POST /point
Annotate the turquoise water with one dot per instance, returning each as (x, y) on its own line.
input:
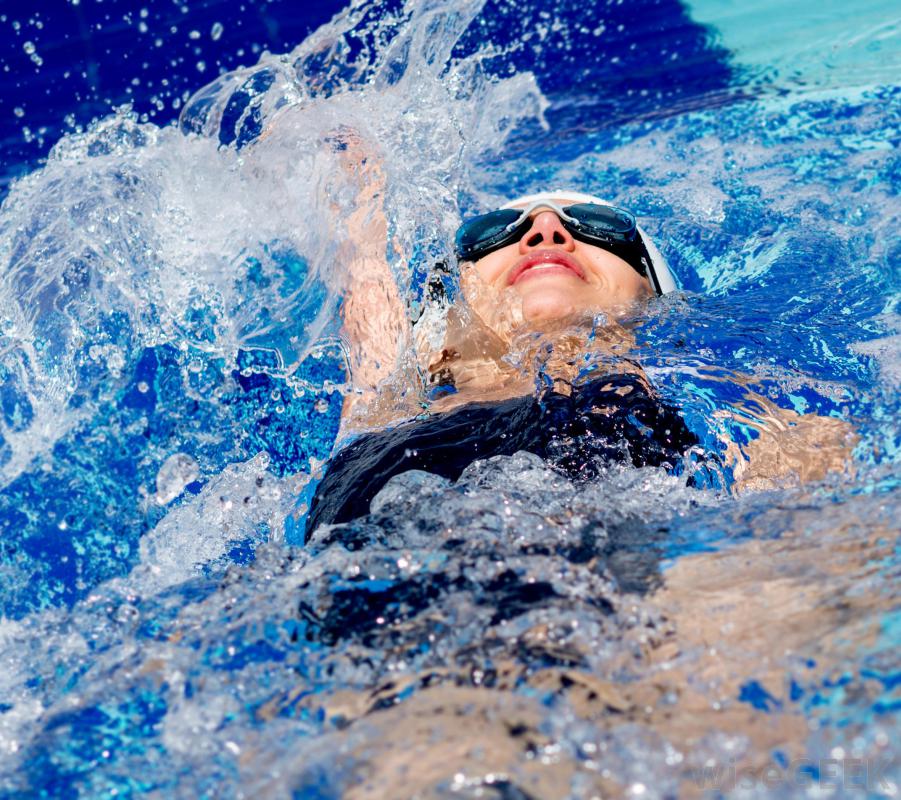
(172, 376)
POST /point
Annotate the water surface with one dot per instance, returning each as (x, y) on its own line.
(172, 380)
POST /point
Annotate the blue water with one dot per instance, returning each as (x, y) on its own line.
(90, 57)
(171, 381)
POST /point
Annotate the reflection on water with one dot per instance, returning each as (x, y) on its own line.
(513, 631)
(172, 378)
(757, 642)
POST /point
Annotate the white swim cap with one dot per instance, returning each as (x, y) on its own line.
(662, 278)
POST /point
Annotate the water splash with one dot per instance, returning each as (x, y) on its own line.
(173, 294)
(210, 258)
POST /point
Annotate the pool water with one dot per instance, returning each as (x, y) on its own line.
(173, 374)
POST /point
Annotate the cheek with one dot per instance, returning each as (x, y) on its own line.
(627, 280)
(494, 265)
(637, 286)
(619, 277)
(477, 292)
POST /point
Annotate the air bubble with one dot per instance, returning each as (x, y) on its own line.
(216, 31)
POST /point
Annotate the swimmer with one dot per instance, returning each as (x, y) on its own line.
(559, 271)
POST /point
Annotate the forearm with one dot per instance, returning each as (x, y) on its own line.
(374, 323)
(373, 326)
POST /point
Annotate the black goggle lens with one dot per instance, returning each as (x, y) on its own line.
(481, 235)
(604, 220)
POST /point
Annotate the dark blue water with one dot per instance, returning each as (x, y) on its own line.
(90, 57)
(94, 56)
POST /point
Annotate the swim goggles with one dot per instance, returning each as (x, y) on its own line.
(605, 226)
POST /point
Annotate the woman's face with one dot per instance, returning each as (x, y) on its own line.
(548, 276)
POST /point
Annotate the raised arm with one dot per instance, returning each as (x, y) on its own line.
(374, 323)
(375, 330)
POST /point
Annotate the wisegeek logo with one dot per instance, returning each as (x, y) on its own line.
(879, 777)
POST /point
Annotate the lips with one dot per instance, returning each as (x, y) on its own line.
(545, 262)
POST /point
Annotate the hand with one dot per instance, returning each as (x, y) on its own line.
(791, 449)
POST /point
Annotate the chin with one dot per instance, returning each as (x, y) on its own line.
(549, 307)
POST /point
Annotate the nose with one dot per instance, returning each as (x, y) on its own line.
(546, 230)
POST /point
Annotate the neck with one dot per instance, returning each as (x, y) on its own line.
(483, 366)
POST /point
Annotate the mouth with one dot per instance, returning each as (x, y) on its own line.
(545, 262)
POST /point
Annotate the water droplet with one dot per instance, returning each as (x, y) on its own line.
(126, 613)
(176, 472)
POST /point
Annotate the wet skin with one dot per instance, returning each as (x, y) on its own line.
(549, 276)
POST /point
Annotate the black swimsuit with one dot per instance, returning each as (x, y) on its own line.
(614, 418)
